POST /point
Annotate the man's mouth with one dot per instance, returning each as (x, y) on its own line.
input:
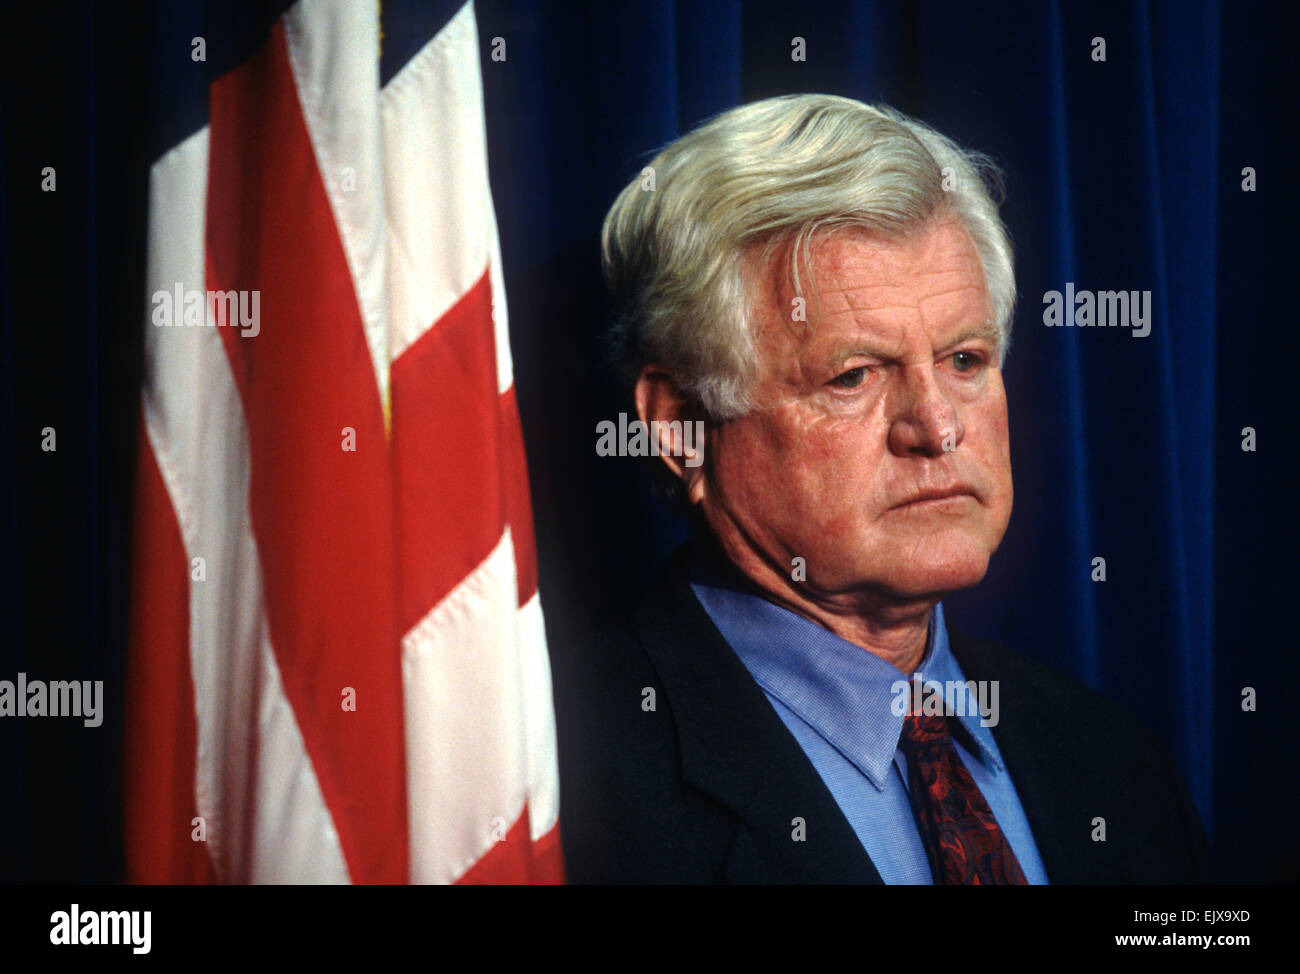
(937, 497)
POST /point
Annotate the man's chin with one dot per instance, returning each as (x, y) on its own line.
(932, 580)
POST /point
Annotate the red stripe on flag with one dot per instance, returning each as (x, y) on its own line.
(514, 473)
(160, 732)
(516, 860)
(460, 464)
(446, 451)
(322, 516)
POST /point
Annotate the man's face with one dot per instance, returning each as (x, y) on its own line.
(890, 391)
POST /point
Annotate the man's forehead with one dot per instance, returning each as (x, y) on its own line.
(859, 288)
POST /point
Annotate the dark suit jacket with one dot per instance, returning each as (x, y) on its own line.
(704, 787)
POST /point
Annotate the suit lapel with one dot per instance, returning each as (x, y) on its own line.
(734, 748)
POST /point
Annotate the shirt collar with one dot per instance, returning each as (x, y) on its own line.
(852, 698)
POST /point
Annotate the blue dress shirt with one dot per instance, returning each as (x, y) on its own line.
(845, 707)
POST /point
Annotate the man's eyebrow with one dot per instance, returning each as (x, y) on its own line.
(875, 349)
(882, 349)
(986, 330)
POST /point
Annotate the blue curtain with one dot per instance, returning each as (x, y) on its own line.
(1121, 174)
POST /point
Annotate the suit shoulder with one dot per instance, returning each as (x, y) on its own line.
(1048, 691)
(624, 808)
(1063, 738)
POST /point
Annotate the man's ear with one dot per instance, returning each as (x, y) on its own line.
(677, 426)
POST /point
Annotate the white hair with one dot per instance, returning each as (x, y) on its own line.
(776, 172)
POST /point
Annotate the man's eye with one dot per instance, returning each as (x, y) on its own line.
(965, 361)
(850, 379)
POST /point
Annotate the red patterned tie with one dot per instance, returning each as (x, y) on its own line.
(961, 836)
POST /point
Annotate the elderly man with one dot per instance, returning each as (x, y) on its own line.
(827, 289)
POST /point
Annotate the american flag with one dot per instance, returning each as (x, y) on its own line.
(337, 668)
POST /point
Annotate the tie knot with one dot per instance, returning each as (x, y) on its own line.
(921, 730)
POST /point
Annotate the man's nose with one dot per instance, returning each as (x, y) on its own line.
(924, 420)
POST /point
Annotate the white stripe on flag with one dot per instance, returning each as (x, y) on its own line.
(467, 765)
(334, 52)
(440, 225)
(539, 720)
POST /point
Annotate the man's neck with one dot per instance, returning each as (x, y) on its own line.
(896, 633)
